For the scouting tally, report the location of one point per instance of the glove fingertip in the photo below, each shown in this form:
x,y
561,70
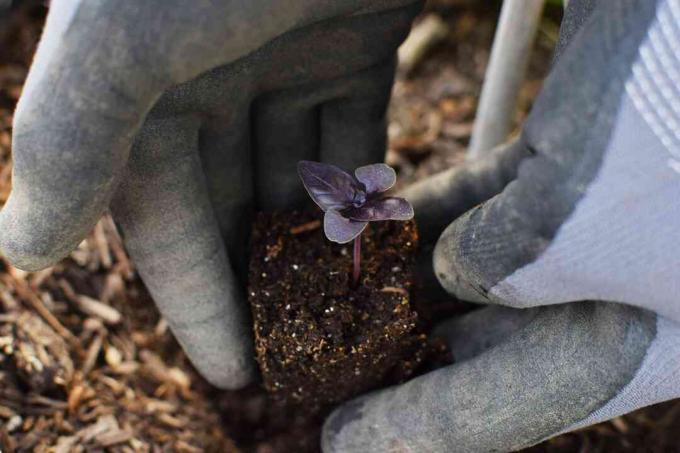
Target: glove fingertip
x,y
23,247
450,265
342,418
234,376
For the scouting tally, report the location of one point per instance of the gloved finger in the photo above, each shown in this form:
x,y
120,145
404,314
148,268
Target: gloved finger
x,y
448,194
73,129
223,96
489,242
566,363
226,155
445,196
287,131
473,333
353,124
172,234
339,121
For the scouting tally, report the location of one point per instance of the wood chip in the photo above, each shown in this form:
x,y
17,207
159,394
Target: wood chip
x,y
113,437
74,397
169,420
26,294
92,353
17,274
38,278
184,447
113,384
13,423
305,227
156,405
123,266
126,368
93,307
105,423
620,424
161,327
113,287
113,356
45,401
155,366
6,412
66,444
394,289
424,35
102,245
7,301
90,306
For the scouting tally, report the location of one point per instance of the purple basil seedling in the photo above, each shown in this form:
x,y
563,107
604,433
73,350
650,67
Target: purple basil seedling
x,y
350,202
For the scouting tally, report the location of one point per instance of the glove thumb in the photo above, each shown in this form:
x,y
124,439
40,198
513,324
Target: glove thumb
x,y
86,95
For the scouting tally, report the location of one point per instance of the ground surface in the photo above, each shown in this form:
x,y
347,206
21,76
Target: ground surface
x,y
85,361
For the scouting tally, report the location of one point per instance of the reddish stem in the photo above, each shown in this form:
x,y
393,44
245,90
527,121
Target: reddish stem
x,y
357,261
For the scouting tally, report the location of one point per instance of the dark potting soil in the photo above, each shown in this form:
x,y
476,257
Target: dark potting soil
x,y
318,340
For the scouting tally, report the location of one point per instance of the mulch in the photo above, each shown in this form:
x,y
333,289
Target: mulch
x,y
86,364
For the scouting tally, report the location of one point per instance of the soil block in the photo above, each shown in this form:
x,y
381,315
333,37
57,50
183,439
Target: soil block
x,y
318,340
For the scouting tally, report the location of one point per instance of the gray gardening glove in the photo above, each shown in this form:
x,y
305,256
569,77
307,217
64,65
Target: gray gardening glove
x,y
186,117
591,213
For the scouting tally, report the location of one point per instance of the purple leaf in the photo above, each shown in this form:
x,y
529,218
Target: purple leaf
x,y
329,186
376,177
339,229
389,208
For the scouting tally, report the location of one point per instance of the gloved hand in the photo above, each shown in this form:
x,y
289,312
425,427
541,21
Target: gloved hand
x,y
587,210
186,117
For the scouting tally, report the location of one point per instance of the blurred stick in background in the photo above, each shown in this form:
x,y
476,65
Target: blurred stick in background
x,y
507,65
427,33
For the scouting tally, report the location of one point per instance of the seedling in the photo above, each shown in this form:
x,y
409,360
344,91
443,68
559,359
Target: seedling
x,y
350,202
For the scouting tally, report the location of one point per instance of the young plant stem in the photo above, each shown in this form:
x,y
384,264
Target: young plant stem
x,y
357,261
